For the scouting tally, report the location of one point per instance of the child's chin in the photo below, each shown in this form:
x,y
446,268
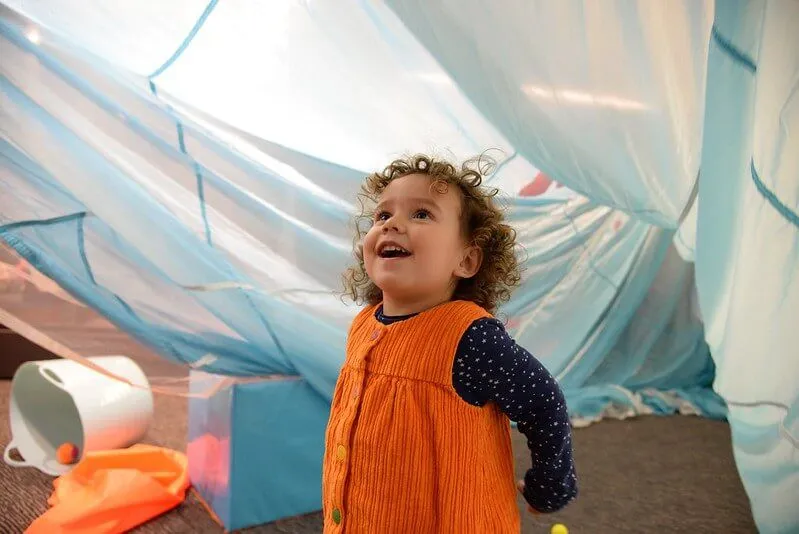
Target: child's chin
x,y
392,284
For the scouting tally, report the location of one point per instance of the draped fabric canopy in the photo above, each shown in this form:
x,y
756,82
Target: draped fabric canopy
x,y
181,177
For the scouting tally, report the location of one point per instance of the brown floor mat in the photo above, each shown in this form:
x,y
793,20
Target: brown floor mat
x,y
651,474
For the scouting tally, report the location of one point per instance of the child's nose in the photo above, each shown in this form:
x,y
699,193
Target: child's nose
x,y
392,224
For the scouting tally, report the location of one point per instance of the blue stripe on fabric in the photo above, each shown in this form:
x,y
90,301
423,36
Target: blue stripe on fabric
x,y
199,24
731,50
200,186
783,210
82,251
203,213
266,325
90,273
41,222
181,139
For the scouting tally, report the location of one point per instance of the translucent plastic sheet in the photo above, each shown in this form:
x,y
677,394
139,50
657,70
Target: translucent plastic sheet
x,y
220,250
748,238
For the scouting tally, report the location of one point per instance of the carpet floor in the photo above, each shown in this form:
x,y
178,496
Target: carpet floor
x,y
650,474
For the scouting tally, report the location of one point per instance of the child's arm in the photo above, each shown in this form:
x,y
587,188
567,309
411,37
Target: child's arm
x,y
490,366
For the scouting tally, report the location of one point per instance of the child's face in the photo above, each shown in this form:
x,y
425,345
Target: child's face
x,y
415,251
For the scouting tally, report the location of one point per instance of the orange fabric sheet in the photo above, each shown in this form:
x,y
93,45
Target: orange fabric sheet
x,y
111,492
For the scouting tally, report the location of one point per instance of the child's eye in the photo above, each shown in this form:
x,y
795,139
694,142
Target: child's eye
x,y
422,214
382,216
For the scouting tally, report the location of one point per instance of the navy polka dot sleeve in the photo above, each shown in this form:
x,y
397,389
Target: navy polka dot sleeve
x,y
490,366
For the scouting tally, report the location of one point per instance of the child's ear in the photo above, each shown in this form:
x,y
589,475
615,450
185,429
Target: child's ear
x,y
470,263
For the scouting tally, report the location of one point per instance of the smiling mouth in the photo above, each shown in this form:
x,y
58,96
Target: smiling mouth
x,y
393,251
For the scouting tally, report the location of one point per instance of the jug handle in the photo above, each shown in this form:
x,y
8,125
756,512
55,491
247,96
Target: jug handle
x,y
47,468
10,461
51,377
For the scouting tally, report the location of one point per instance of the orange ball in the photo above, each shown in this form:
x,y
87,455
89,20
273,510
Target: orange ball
x,y
67,453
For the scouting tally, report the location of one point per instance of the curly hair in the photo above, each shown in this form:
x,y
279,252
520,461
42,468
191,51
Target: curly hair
x,y
481,222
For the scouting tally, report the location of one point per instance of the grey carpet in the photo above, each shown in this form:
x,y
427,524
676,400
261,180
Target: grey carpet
x,y
651,474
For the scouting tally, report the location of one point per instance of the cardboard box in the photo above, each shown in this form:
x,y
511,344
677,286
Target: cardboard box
x,y
255,449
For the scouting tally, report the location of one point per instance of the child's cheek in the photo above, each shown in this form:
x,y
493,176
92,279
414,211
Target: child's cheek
x,y
368,243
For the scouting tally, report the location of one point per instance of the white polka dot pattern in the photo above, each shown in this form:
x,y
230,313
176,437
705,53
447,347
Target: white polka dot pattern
x,y
490,367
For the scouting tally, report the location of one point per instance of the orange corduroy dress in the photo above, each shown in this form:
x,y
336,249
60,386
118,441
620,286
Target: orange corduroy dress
x,y
404,453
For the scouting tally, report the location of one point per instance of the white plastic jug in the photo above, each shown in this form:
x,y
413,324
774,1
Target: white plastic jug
x,y
61,401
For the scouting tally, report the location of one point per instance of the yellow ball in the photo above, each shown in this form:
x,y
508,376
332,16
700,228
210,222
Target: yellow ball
x,y
559,529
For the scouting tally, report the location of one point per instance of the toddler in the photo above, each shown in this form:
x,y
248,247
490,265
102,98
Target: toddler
x,y
418,439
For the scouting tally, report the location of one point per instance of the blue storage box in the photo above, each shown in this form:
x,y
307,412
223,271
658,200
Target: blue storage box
x,y
255,449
